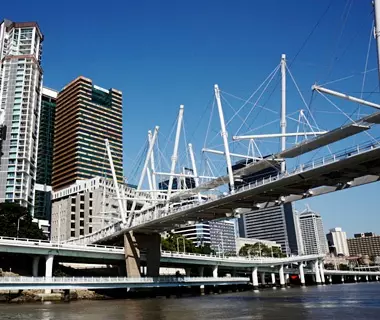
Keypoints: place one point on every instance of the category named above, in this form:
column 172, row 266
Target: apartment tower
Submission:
column 20, row 103
column 86, row 115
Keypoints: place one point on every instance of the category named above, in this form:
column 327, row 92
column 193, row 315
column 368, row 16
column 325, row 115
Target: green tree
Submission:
column 174, row 242
column 12, row 215
column 260, row 249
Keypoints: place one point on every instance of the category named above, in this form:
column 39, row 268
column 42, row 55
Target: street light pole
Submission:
column 18, row 225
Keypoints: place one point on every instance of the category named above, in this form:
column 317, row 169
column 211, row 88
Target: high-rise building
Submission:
column 274, row 224
column 337, row 240
column 20, row 103
column 86, row 115
column 42, row 198
column 364, row 244
column 220, row 235
column 313, row 236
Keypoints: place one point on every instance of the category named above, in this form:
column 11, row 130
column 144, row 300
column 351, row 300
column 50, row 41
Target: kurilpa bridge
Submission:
column 258, row 182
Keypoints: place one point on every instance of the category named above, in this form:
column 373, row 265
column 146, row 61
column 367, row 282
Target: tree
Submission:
column 260, row 249
column 12, row 215
column 174, row 242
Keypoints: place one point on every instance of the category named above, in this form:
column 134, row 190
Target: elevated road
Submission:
column 111, row 254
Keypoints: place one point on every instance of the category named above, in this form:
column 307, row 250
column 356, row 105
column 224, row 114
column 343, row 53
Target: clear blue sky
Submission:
column 164, row 53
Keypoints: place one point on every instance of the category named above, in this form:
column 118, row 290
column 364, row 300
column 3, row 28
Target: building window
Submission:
column 73, row 233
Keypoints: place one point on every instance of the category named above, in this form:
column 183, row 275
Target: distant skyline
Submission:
column 163, row 54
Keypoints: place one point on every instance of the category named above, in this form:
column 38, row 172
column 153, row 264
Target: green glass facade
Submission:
column 42, row 199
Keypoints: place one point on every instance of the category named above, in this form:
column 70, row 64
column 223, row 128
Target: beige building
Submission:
column 85, row 207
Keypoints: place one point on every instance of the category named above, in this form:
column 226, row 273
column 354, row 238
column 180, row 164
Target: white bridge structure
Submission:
column 150, row 209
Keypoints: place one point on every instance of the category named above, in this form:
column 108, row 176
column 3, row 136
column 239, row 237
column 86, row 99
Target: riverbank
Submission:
column 28, row 296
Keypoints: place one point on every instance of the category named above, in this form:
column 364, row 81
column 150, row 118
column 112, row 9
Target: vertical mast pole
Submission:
column 376, row 4
column 175, row 154
column 194, row 166
column 119, row 200
column 143, row 172
column 283, row 108
column 224, row 134
column 152, row 167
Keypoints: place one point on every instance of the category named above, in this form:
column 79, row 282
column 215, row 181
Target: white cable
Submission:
column 348, row 117
column 366, row 65
column 258, row 99
column 274, row 71
column 248, row 102
column 302, row 98
column 209, row 123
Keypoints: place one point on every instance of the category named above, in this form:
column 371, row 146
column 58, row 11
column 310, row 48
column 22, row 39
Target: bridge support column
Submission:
column 322, row 270
column 355, row 278
column 49, row 269
column 273, row 277
column 342, row 279
column 36, row 261
column 366, row 278
column 282, row 277
column 263, row 278
column 188, row 272
column 317, row 273
column 201, row 270
column 302, row 274
column 132, row 255
column 215, row 271
column 377, row 278
column 151, row 243
column 330, row 279
column 255, row 280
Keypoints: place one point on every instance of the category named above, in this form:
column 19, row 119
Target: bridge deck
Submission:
column 352, row 167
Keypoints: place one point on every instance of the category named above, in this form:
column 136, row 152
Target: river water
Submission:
column 347, row 301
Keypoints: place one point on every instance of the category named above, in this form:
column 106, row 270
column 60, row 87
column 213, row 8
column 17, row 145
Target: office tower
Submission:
column 364, row 244
column 86, row 115
column 223, row 236
column 220, row 235
column 313, row 236
column 42, row 197
column 337, row 240
column 274, row 224
column 20, row 103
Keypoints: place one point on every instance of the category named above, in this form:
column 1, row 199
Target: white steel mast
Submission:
column 283, row 108
column 152, row 166
column 175, row 153
column 120, row 201
column 377, row 31
column 224, row 134
column 150, row 149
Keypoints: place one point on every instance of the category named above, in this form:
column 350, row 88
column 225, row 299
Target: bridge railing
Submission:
column 62, row 245
column 36, row 280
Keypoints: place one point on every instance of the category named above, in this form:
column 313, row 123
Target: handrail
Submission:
column 28, row 280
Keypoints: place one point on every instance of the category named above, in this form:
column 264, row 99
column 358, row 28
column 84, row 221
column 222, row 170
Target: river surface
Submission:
column 347, row 301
